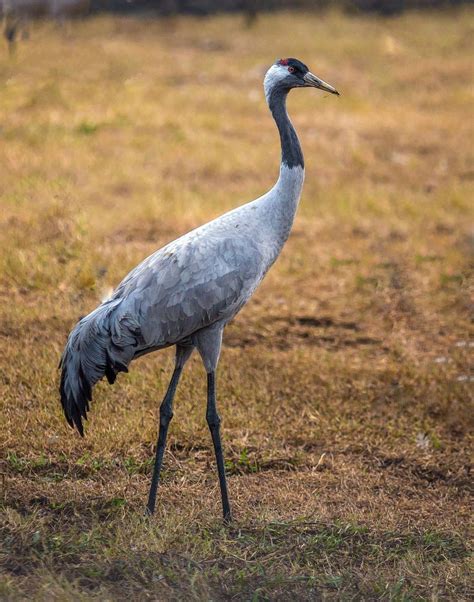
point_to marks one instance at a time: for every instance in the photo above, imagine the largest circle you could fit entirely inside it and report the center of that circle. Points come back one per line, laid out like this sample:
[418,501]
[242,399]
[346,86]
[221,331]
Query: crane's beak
[314,82]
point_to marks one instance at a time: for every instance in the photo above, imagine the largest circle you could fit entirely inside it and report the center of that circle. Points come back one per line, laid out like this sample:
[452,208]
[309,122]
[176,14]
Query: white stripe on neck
[275,74]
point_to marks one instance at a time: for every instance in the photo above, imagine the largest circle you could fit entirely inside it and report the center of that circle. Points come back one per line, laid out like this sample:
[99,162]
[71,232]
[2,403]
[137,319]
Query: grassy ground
[344,386]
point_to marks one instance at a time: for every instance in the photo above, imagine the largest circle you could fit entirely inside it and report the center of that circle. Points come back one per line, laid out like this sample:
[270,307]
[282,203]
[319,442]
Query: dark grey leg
[166,414]
[213,420]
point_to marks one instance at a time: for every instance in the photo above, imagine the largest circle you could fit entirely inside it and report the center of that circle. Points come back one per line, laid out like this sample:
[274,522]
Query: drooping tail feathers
[101,344]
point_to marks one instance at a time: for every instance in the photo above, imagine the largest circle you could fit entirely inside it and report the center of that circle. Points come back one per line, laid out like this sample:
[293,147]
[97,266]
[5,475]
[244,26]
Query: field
[344,385]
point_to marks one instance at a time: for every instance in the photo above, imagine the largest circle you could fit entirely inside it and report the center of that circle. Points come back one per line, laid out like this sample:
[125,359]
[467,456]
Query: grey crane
[185,293]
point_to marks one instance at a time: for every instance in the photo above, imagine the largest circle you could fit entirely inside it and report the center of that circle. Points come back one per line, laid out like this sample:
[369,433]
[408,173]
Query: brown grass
[344,386]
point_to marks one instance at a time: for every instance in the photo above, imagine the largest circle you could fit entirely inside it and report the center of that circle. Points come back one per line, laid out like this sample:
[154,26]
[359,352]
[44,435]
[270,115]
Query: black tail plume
[89,355]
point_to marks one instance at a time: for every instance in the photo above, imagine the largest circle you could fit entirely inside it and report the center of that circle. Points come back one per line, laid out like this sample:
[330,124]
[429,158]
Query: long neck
[291,153]
[283,198]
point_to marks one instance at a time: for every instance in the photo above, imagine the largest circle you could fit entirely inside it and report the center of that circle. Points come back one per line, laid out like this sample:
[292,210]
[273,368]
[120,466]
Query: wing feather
[189,284]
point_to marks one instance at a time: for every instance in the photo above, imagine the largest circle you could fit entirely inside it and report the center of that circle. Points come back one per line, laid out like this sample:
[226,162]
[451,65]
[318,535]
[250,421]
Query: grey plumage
[186,292]
[202,278]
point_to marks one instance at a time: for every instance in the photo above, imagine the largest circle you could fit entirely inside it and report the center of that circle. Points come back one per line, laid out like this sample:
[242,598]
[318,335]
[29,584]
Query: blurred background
[345,385]
[14,10]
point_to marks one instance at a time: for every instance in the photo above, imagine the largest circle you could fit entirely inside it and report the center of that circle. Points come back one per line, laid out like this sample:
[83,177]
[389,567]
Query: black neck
[291,154]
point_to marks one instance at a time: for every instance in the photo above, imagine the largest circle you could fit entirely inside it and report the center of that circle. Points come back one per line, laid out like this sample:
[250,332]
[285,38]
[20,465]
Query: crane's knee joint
[165,417]
[213,420]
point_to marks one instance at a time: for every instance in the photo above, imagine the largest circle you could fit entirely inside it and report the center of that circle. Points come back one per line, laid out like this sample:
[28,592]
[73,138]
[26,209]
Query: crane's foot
[228,518]
[148,512]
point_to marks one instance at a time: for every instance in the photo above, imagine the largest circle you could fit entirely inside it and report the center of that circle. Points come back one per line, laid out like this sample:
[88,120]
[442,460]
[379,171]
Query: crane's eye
[291,69]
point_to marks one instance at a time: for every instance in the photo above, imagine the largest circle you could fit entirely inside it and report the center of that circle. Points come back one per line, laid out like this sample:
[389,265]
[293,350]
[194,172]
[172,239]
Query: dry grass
[344,385]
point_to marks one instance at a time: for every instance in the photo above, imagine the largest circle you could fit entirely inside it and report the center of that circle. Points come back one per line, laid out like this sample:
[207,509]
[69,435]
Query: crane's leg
[208,343]
[214,421]
[166,414]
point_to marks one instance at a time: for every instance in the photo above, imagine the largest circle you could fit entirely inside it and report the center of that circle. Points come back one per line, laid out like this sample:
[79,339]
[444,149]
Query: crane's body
[185,293]
[201,279]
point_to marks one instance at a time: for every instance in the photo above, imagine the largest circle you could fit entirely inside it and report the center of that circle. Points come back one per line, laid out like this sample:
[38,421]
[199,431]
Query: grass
[344,385]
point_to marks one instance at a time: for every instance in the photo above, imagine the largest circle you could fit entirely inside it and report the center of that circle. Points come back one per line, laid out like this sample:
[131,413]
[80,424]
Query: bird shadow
[284,332]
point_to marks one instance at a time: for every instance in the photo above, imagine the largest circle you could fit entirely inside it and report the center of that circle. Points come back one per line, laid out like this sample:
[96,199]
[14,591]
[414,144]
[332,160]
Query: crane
[185,293]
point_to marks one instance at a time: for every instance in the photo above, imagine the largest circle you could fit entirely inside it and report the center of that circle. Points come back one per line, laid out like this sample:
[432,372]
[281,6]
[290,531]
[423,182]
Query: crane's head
[286,74]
